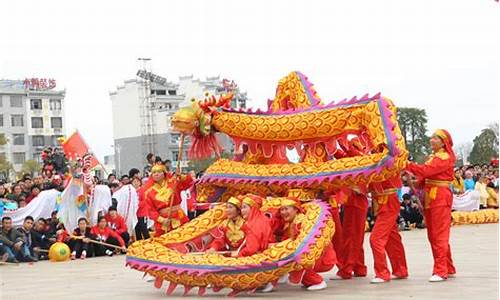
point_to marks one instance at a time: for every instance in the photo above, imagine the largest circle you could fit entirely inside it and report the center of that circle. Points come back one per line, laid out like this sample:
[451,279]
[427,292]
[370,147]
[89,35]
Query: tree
[5,165]
[413,124]
[463,151]
[494,128]
[31,167]
[485,147]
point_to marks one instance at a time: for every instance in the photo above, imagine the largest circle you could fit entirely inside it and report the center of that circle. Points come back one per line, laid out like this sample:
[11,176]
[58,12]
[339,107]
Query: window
[18,139]
[37,140]
[37,156]
[1,102]
[172,92]
[174,138]
[175,155]
[55,104]
[54,140]
[56,122]
[36,122]
[16,101]
[18,157]
[1,120]
[17,120]
[36,103]
[160,92]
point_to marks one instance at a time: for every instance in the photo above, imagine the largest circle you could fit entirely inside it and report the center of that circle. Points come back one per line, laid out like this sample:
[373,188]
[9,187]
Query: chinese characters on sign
[39,84]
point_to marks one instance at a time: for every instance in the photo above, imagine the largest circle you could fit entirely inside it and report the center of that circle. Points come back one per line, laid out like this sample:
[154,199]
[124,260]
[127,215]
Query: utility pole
[148,126]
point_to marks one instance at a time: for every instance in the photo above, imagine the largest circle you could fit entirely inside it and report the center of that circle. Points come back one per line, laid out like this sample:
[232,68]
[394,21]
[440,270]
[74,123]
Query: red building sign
[39,84]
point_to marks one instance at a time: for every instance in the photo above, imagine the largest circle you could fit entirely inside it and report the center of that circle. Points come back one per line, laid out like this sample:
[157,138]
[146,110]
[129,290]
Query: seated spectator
[3,191]
[35,190]
[101,232]
[26,232]
[483,192]
[42,239]
[53,222]
[458,183]
[17,194]
[469,183]
[81,246]
[117,223]
[410,212]
[13,243]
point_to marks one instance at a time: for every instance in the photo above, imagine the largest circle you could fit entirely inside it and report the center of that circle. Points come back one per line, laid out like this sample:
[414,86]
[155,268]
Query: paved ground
[475,250]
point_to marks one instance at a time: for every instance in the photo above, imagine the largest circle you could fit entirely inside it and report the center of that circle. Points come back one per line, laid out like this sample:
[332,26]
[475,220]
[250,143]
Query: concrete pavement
[474,248]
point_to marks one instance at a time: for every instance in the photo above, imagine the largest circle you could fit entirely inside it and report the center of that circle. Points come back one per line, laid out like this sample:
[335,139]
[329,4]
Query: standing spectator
[136,183]
[103,233]
[113,187]
[111,178]
[81,246]
[124,180]
[117,223]
[134,173]
[26,232]
[13,242]
[17,194]
[150,158]
[35,190]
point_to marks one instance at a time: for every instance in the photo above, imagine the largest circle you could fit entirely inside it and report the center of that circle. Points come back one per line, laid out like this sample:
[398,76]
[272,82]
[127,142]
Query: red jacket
[437,174]
[117,224]
[104,234]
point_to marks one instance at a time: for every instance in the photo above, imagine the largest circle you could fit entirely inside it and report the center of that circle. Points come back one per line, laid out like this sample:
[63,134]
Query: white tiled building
[128,117]
[31,117]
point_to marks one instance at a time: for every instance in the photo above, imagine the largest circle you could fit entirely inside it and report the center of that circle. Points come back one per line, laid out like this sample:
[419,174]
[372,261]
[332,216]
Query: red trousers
[310,277]
[354,235]
[438,222]
[385,238]
[338,238]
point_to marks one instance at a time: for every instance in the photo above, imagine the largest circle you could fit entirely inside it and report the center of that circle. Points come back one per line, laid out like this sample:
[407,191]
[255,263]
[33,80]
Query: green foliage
[31,167]
[413,124]
[485,147]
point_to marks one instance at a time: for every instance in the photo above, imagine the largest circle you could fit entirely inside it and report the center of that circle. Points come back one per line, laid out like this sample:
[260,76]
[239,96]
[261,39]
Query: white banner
[40,207]
[468,201]
[127,205]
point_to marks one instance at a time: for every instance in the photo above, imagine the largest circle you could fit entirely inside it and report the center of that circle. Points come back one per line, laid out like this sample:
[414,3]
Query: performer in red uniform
[335,201]
[166,188]
[292,217]
[257,227]
[230,235]
[353,225]
[436,175]
[385,236]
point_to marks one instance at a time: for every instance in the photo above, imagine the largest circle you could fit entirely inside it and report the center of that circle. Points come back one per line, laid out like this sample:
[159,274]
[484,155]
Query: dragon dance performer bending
[290,219]
[163,199]
[385,236]
[230,235]
[257,227]
[436,176]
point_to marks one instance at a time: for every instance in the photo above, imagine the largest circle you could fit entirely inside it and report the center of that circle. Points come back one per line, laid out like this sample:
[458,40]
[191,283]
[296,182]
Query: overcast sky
[439,55]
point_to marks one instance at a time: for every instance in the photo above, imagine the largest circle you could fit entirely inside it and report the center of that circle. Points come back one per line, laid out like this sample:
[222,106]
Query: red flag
[74,146]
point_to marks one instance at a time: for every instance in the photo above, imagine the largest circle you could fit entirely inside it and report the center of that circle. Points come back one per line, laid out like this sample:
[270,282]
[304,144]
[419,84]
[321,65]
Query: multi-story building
[142,111]
[31,117]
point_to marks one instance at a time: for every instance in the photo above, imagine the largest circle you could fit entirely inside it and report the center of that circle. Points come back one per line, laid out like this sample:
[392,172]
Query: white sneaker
[376,280]
[268,288]
[283,279]
[436,278]
[318,287]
